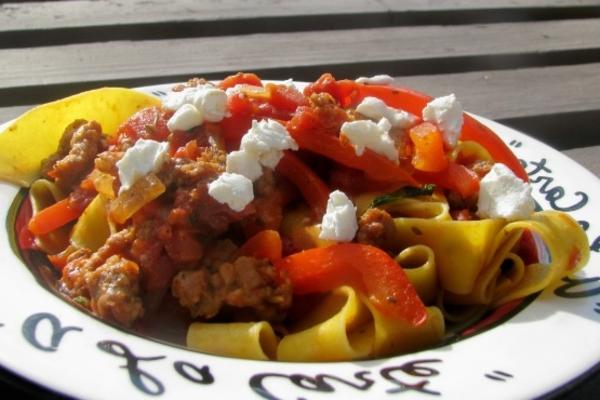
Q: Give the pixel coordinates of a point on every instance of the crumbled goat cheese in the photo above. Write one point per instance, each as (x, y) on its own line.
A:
(144, 157)
(212, 102)
(339, 222)
(244, 163)
(235, 190)
(504, 195)
(185, 118)
(174, 100)
(194, 105)
(447, 113)
(368, 134)
(267, 140)
(375, 109)
(376, 80)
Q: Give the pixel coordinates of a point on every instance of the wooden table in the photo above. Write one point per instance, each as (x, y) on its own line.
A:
(533, 65)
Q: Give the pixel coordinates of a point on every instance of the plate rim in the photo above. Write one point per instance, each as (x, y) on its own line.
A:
(537, 143)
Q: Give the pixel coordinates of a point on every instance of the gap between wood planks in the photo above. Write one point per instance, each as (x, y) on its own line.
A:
(63, 22)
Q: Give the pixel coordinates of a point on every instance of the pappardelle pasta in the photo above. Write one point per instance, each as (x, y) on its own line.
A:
(343, 221)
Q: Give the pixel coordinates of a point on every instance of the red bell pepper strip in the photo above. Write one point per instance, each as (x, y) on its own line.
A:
(247, 78)
(365, 268)
(53, 217)
(26, 239)
(313, 189)
(456, 177)
(265, 244)
(285, 98)
(301, 128)
(349, 93)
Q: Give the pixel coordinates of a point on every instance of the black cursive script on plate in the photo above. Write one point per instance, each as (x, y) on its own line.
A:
(141, 379)
(540, 175)
(30, 330)
(361, 381)
(587, 287)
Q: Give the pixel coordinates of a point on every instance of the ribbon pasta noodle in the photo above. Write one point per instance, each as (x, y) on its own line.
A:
(344, 326)
(252, 340)
(470, 255)
(93, 227)
(344, 222)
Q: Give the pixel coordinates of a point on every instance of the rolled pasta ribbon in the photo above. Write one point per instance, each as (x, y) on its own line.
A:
(398, 337)
(506, 277)
(346, 326)
(567, 245)
(484, 287)
(251, 340)
(42, 194)
(475, 260)
(339, 328)
(462, 248)
(418, 263)
(92, 229)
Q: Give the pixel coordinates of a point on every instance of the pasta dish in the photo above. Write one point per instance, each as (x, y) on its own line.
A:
(347, 220)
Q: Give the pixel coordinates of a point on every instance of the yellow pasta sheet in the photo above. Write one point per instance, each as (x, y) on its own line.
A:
(344, 326)
(476, 262)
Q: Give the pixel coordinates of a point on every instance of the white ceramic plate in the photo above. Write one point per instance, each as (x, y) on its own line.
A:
(552, 341)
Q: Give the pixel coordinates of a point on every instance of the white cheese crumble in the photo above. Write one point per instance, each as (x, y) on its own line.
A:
(244, 163)
(504, 195)
(194, 105)
(174, 100)
(267, 140)
(185, 118)
(376, 80)
(447, 113)
(339, 222)
(368, 134)
(144, 157)
(212, 102)
(375, 109)
(235, 190)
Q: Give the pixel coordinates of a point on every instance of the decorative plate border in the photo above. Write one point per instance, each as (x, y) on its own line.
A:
(551, 342)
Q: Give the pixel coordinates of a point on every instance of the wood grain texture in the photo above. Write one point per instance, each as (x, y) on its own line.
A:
(517, 93)
(60, 14)
(36, 74)
(558, 105)
(62, 22)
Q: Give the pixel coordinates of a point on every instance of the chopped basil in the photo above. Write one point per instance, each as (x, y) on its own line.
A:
(407, 191)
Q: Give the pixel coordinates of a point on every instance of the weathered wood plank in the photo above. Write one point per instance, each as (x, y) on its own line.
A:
(59, 22)
(28, 75)
(558, 105)
(60, 14)
(511, 94)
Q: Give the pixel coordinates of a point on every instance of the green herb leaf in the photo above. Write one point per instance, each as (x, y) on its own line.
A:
(407, 191)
